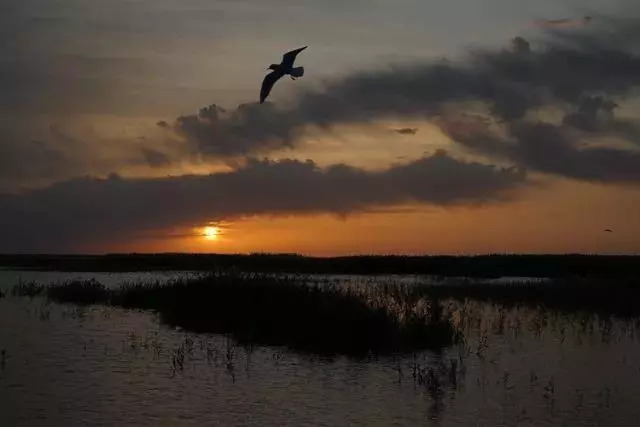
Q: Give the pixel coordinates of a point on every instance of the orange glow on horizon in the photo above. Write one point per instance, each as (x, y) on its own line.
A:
(542, 222)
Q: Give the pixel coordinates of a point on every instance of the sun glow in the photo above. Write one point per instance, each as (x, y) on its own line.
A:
(210, 233)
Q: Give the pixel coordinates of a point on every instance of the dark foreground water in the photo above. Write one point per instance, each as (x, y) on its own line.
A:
(66, 365)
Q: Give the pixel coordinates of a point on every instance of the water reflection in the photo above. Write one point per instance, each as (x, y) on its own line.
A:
(9, 278)
(64, 364)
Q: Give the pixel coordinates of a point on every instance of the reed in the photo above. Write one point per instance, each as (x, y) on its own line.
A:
(280, 311)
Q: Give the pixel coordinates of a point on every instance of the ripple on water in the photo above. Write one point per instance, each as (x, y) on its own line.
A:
(66, 364)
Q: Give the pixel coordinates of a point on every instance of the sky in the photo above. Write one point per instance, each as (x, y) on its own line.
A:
(419, 127)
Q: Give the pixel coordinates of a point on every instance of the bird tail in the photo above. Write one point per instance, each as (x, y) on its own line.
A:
(297, 72)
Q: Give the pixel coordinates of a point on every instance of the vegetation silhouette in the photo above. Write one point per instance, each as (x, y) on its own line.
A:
(315, 318)
(602, 296)
(460, 266)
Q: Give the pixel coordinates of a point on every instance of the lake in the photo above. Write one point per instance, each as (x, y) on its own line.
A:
(67, 365)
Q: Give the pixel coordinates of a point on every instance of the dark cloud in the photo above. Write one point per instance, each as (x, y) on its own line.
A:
(476, 133)
(99, 210)
(28, 161)
(596, 115)
(521, 46)
(512, 82)
(554, 149)
(35, 155)
(592, 111)
(155, 158)
(627, 129)
(549, 148)
(248, 129)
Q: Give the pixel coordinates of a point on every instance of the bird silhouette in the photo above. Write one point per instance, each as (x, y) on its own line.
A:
(280, 70)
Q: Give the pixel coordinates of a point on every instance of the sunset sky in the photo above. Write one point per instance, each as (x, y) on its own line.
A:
(134, 126)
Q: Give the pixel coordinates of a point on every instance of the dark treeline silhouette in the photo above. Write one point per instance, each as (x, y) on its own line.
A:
(469, 266)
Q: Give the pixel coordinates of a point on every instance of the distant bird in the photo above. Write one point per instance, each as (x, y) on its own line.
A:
(563, 22)
(279, 70)
(406, 131)
(608, 230)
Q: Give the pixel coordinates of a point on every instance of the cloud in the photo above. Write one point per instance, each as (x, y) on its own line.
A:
(475, 132)
(590, 112)
(67, 215)
(554, 149)
(596, 115)
(29, 161)
(507, 86)
(555, 70)
(35, 153)
(249, 129)
(155, 158)
(513, 83)
(546, 147)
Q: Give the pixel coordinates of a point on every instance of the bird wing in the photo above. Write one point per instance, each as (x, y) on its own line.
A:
(289, 57)
(268, 82)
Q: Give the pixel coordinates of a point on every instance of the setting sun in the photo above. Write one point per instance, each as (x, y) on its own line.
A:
(210, 233)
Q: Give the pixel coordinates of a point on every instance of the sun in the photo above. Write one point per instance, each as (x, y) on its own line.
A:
(210, 232)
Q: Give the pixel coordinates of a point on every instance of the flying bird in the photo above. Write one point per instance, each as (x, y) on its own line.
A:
(608, 230)
(563, 22)
(406, 131)
(279, 70)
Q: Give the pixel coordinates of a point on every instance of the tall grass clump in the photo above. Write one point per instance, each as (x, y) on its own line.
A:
(27, 289)
(267, 310)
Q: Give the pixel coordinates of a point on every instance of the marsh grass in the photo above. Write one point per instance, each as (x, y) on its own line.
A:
(604, 296)
(326, 317)
(27, 289)
(268, 310)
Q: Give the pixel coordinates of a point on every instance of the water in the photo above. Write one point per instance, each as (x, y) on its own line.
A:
(8, 278)
(66, 365)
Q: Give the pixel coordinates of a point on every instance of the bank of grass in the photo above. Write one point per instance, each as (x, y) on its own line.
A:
(330, 318)
(594, 295)
(267, 310)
